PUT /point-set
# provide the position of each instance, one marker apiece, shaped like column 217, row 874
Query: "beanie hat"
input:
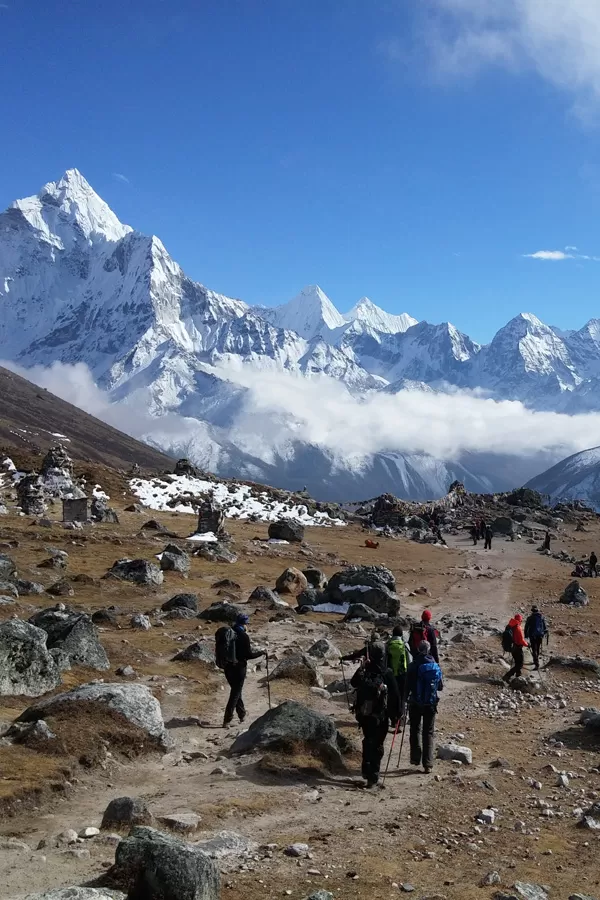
column 426, row 616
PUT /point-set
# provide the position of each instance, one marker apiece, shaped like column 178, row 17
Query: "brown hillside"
column 31, row 418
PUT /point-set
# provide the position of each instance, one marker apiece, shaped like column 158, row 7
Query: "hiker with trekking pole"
column 377, row 705
column 424, row 680
column 536, row 630
column 232, row 652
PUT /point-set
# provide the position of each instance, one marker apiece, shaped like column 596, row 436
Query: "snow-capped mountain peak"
column 68, row 208
column 310, row 314
column 378, row 319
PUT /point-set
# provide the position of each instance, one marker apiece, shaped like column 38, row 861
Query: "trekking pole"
column 390, row 753
column 402, row 739
column 268, row 679
column 345, row 685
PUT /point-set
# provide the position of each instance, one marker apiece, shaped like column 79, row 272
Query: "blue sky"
column 410, row 150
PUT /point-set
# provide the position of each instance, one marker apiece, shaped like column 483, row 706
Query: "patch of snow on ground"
column 8, row 465
column 99, row 494
column 238, row 501
column 207, row 538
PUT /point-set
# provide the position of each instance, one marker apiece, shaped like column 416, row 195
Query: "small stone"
column 486, row 816
column 562, row 781
column 89, row 832
column 489, row 879
column 125, row 671
column 407, row 888
column 455, row 752
column 183, row 823
column 298, row 851
column 66, row 837
column 140, row 622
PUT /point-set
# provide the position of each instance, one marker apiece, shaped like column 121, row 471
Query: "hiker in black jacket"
column 377, row 705
column 235, row 672
column 593, row 565
column 535, row 632
column 365, row 651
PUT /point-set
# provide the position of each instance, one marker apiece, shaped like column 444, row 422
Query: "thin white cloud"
column 558, row 39
column 119, row 177
column 552, row 255
column 571, row 249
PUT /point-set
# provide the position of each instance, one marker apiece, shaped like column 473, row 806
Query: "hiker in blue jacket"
column 535, row 632
column 424, row 680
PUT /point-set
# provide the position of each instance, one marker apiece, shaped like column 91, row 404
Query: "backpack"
column 225, row 647
column 508, row 639
column 428, row 678
column 418, row 633
column 537, row 626
column 397, row 656
column 371, row 697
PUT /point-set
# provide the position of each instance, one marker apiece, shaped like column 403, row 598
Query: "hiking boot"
column 427, row 770
column 241, row 718
column 227, row 723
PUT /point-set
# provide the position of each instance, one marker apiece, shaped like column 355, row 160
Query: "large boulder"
column 199, row 651
column 503, row 525
column 140, row 571
column 262, row 594
column 363, row 612
column 133, row 702
column 289, row 725
column 222, row 611
column 300, row 668
column 8, row 568
column 292, row 581
column 185, row 467
column 181, row 601
column 27, row 668
column 174, row 559
column 287, row 530
column 324, row 650
column 101, row 512
column 575, row 662
column 574, row 595
column 73, row 633
column 373, row 586
column 123, row 813
column 316, row 579
column 156, row 866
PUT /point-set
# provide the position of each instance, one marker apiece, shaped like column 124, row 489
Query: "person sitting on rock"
column 377, row 706
column 518, row 646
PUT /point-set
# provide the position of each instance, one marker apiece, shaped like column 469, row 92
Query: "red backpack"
column 418, row 634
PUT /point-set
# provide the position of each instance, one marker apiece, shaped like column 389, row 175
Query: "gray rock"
column 297, row 851
column 287, row 530
column 226, row 844
column 101, row 512
column 291, row 581
column 56, row 561
column 140, row 571
column 199, row 651
column 289, row 724
column 26, row 666
column 31, row 495
column 528, row 684
column 73, row 633
column 372, row 586
column 32, row 734
column 324, row 649
column 9, row 589
column 363, row 612
column 28, row 588
column 311, row 597
column 182, row 822
column 181, row 601
column 299, row 668
column 184, row 467
column 105, row 617
column 222, row 611
column 320, row 895
column 315, row 578
column 530, row 891
column 62, row 588
column 78, row 893
column 125, row 812
column 455, row 752
column 575, row 662
column 265, row 595
column 574, row 595
column 174, row 559
column 6, row 601
column 156, row 866
column 61, row 659
column 132, row 701
column 140, row 622
column 125, row 671
column 503, row 525
column 489, row 879
column 580, row 897
column 180, row 614
column 218, row 552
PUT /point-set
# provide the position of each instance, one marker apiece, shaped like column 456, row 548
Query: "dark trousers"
column 535, row 644
column 488, row 543
column 422, row 734
column 374, row 735
column 401, row 682
column 236, row 676
column 519, row 661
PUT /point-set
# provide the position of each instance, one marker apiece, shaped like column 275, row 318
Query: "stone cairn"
column 210, row 518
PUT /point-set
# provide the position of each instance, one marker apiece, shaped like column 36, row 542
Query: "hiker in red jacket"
column 519, row 644
column 424, row 631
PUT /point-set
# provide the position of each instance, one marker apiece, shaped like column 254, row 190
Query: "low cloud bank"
column 280, row 409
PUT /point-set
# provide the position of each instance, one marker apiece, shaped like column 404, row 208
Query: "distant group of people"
column 394, row 677
column 481, row 531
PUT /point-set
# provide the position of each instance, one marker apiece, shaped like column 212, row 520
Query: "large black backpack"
column 371, row 697
column 508, row 639
column 225, row 647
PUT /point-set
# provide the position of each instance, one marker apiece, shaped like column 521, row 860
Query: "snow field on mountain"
column 238, row 501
